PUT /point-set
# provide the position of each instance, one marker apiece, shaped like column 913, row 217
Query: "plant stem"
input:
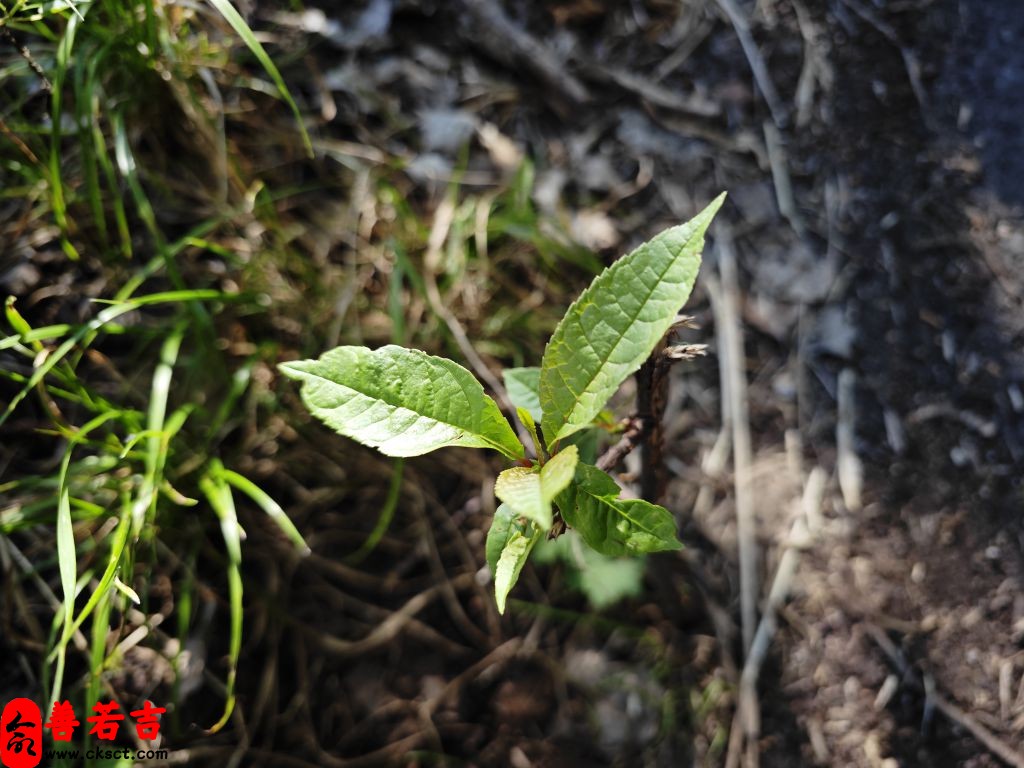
column 652, row 393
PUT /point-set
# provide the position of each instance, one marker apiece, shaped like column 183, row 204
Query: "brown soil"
column 898, row 267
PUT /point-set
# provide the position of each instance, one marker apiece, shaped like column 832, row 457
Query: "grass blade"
column 68, row 562
column 232, row 17
column 104, row 317
column 218, row 493
column 268, row 505
column 66, row 556
column 156, row 443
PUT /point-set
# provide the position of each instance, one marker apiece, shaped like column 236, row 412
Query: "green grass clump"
column 137, row 397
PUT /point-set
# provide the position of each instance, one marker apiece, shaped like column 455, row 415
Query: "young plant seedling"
column 404, row 402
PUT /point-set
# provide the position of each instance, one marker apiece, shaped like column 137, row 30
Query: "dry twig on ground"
column 515, row 47
column 757, row 64
column 732, row 362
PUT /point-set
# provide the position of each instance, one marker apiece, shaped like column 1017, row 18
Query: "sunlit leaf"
column 402, row 402
column 508, row 546
column 523, row 387
column 615, row 324
column 530, row 491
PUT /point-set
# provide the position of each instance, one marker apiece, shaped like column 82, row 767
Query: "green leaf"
column 508, row 546
column 523, row 387
column 615, row 324
column 586, row 441
column 510, row 564
column 556, row 475
column 611, row 525
column 519, row 488
column 607, row 580
column 604, row 580
column 529, row 491
column 402, row 402
column 531, row 426
column 497, row 537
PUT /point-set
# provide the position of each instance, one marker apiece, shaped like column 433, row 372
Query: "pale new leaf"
column 530, row 491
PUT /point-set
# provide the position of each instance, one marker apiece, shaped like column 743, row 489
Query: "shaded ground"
column 870, row 239
column 934, row 557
